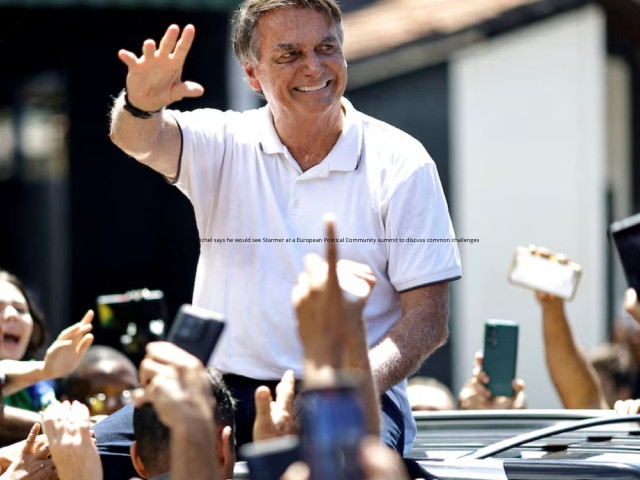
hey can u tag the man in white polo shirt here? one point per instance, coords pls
(260, 181)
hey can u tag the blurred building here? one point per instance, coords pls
(531, 111)
(80, 218)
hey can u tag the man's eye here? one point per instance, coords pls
(328, 48)
(287, 56)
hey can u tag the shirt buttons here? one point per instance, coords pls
(295, 203)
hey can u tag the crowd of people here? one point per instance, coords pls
(311, 326)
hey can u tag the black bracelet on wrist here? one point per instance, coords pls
(135, 111)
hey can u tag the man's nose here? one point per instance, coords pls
(313, 64)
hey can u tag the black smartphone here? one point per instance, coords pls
(196, 330)
(119, 310)
(625, 235)
(333, 427)
(128, 321)
(500, 355)
(269, 459)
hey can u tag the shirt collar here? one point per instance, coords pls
(346, 153)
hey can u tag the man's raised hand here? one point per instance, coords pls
(155, 78)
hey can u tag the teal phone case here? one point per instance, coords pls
(500, 355)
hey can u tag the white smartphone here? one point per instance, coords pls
(545, 273)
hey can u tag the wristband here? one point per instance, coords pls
(135, 111)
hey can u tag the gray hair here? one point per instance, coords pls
(245, 19)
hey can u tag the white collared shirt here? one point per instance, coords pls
(244, 185)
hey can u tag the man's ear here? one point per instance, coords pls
(226, 451)
(137, 462)
(250, 71)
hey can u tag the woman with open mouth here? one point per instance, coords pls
(22, 335)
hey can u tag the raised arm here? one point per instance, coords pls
(177, 385)
(329, 299)
(574, 377)
(139, 124)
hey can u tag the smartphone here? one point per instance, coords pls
(117, 311)
(545, 273)
(196, 330)
(269, 459)
(128, 321)
(333, 427)
(625, 235)
(500, 355)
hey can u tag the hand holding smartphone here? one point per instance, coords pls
(196, 330)
(539, 269)
(500, 355)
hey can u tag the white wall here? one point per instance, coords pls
(528, 144)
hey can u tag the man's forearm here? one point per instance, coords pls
(135, 136)
(153, 141)
(573, 376)
(421, 330)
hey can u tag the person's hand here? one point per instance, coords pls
(275, 418)
(475, 395)
(13, 451)
(379, 462)
(31, 461)
(627, 407)
(154, 79)
(631, 304)
(73, 449)
(548, 301)
(329, 300)
(176, 384)
(66, 352)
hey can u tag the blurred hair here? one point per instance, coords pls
(420, 401)
(38, 334)
(76, 382)
(154, 437)
(245, 20)
(617, 360)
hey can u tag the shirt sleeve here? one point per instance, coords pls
(203, 135)
(418, 216)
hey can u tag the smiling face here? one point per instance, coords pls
(16, 324)
(301, 70)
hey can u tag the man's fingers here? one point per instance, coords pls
(263, 399)
(186, 89)
(297, 471)
(149, 49)
(31, 438)
(285, 391)
(631, 304)
(329, 220)
(518, 386)
(184, 43)
(478, 358)
(149, 368)
(128, 58)
(168, 41)
(170, 354)
(316, 270)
